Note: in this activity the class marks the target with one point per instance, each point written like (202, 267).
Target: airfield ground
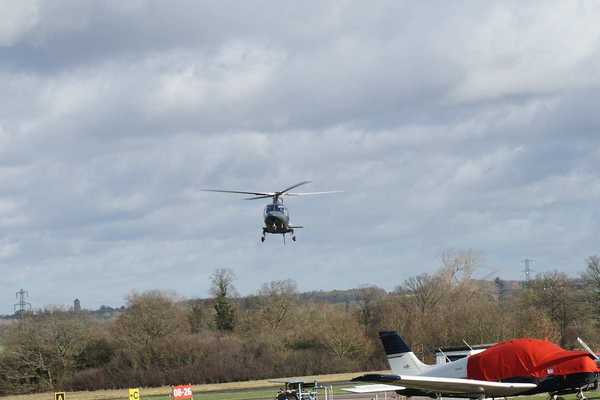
(249, 394)
(249, 390)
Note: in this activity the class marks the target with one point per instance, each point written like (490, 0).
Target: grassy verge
(250, 394)
(248, 390)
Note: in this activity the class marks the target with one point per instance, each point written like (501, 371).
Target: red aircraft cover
(527, 358)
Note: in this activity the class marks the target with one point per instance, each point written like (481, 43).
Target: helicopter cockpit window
(276, 208)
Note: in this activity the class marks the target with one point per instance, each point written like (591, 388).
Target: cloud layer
(463, 125)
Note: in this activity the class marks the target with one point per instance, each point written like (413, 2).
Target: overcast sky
(449, 125)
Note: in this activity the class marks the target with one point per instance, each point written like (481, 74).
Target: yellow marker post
(134, 394)
(59, 396)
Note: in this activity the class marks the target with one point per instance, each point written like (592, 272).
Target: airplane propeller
(589, 350)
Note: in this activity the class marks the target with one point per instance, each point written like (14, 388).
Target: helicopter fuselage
(276, 216)
(277, 219)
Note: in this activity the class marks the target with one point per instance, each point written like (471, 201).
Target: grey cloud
(446, 129)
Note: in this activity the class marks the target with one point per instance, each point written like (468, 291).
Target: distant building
(76, 306)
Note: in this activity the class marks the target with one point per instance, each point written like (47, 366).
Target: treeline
(160, 339)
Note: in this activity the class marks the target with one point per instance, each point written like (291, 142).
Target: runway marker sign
(59, 396)
(134, 394)
(182, 392)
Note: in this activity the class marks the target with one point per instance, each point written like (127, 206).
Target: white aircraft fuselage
(516, 367)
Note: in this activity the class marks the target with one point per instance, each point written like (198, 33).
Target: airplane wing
(295, 227)
(373, 388)
(458, 385)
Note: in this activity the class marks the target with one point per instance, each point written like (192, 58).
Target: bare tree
(150, 318)
(343, 336)
(459, 265)
(425, 291)
(593, 269)
(223, 289)
(591, 277)
(369, 298)
(556, 295)
(276, 299)
(42, 350)
(198, 315)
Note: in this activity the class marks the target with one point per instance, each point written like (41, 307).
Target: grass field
(249, 390)
(237, 394)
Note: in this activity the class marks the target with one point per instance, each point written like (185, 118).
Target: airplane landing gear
(580, 395)
(262, 239)
(293, 238)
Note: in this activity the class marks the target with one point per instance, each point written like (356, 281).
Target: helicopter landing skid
(264, 235)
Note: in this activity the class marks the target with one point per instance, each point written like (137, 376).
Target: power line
(528, 270)
(22, 306)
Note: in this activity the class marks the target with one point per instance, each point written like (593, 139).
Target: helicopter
(276, 215)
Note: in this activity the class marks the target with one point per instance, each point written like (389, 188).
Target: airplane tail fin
(400, 357)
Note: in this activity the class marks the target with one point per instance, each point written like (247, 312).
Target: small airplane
(276, 215)
(511, 368)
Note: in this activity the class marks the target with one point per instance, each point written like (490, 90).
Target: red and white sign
(182, 392)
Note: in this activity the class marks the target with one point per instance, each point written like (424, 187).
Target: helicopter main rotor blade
(314, 193)
(239, 192)
(268, 196)
(292, 187)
